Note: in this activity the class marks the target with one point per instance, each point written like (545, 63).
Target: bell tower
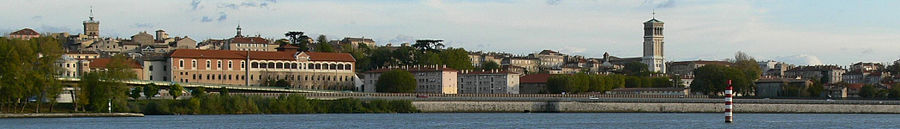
(653, 45)
(91, 27)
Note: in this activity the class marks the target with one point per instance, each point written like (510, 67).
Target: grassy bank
(289, 104)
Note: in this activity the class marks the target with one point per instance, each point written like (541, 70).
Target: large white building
(429, 79)
(653, 46)
(488, 82)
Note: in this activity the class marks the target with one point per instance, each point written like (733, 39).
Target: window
(254, 65)
(293, 65)
(151, 67)
(208, 64)
(243, 64)
(279, 65)
(219, 64)
(310, 66)
(229, 64)
(271, 65)
(181, 63)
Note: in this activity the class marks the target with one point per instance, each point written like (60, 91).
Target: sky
(803, 32)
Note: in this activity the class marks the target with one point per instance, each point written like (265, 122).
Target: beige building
(488, 82)
(829, 74)
(242, 43)
(429, 79)
(550, 59)
(306, 70)
(773, 87)
(73, 64)
(355, 42)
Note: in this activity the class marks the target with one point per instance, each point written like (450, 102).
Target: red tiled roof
(326, 56)
(534, 78)
(414, 69)
(26, 31)
(102, 62)
(259, 55)
(251, 40)
(855, 86)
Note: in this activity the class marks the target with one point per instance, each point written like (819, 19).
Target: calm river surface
(471, 120)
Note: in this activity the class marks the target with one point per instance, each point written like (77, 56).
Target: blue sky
(794, 31)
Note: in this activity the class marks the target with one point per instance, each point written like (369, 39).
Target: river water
(470, 120)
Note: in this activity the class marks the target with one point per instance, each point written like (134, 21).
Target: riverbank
(65, 115)
(555, 106)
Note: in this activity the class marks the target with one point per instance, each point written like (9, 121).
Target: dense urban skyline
(800, 32)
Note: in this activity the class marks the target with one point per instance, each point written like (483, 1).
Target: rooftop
(26, 31)
(260, 55)
(534, 78)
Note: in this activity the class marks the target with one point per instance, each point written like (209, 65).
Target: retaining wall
(550, 106)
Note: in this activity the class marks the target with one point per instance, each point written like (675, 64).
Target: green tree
(322, 45)
(712, 79)
(28, 69)
(748, 65)
(106, 85)
(636, 69)
(396, 81)
(662, 82)
(816, 89)
(894, 92)
(175, 91)
(490, 65)
(405, 55)
(457, 58)
(297, 38)
(429, 45)
(557, 83)
(868, 91)
(894, 69)
(223, 91)
(150, 90)
(633, 82)
(135, 93)
(381, 57)
(198, 92)
(430, 58)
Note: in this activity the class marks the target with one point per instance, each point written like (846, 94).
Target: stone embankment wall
(62, 115)
(518, 106)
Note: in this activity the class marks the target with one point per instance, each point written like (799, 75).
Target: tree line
(28, 73)
(284, 104)
(712, 79)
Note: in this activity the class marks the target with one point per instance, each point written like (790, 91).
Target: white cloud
(799, 60)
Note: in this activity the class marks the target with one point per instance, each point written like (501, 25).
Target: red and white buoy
(728, 102)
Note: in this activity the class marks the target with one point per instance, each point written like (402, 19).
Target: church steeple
(239, 31)
(91, 17)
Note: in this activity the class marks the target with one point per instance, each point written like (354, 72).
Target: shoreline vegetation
(286, 104)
